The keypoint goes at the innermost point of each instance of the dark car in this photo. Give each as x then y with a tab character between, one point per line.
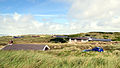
99	49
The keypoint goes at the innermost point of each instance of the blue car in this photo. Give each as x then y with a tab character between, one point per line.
99	49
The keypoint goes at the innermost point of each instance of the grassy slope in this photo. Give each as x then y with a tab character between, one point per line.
70	56
103	35
62	55
46	38
27	39
59	59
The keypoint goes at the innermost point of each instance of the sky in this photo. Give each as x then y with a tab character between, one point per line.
19	17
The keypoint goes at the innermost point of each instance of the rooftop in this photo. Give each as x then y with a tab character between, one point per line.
26	47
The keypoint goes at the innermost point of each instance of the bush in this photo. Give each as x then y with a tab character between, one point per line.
58	40
117	39
87	35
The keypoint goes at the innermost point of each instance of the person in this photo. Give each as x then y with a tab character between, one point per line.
10	42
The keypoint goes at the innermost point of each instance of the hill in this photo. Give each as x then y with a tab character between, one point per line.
115	36
67	57
62	55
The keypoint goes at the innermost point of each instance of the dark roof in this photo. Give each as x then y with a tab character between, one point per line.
25	47
101	39
18	36
81	38
58	36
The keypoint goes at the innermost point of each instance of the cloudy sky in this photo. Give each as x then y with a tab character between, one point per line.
58	16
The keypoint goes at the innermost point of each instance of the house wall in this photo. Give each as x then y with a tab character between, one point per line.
75	40
84	40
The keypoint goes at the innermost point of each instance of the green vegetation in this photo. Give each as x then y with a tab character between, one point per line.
63	54
117	39
59	40
67	57
115	36
26	39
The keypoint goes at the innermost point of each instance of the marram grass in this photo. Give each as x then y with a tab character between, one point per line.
59	59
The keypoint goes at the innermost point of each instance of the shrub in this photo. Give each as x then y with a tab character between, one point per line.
58	40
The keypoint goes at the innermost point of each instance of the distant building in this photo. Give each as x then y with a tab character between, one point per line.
18	36
36	36
27	47
79	39
86	39
104	40
59	36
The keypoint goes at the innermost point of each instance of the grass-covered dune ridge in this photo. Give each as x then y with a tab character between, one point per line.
63	55
61	59
115	36
68	56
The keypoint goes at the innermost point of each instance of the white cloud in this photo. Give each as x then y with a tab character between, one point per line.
95	15
83	16
27	24
16	16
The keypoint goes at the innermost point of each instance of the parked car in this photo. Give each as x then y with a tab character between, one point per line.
99	49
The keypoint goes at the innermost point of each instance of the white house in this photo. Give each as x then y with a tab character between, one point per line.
80	39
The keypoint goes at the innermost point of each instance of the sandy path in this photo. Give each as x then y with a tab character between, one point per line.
2	47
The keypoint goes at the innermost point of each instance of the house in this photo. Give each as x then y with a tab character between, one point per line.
104	40
59	36
35	36
27	47
79	39
86	39
18	36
